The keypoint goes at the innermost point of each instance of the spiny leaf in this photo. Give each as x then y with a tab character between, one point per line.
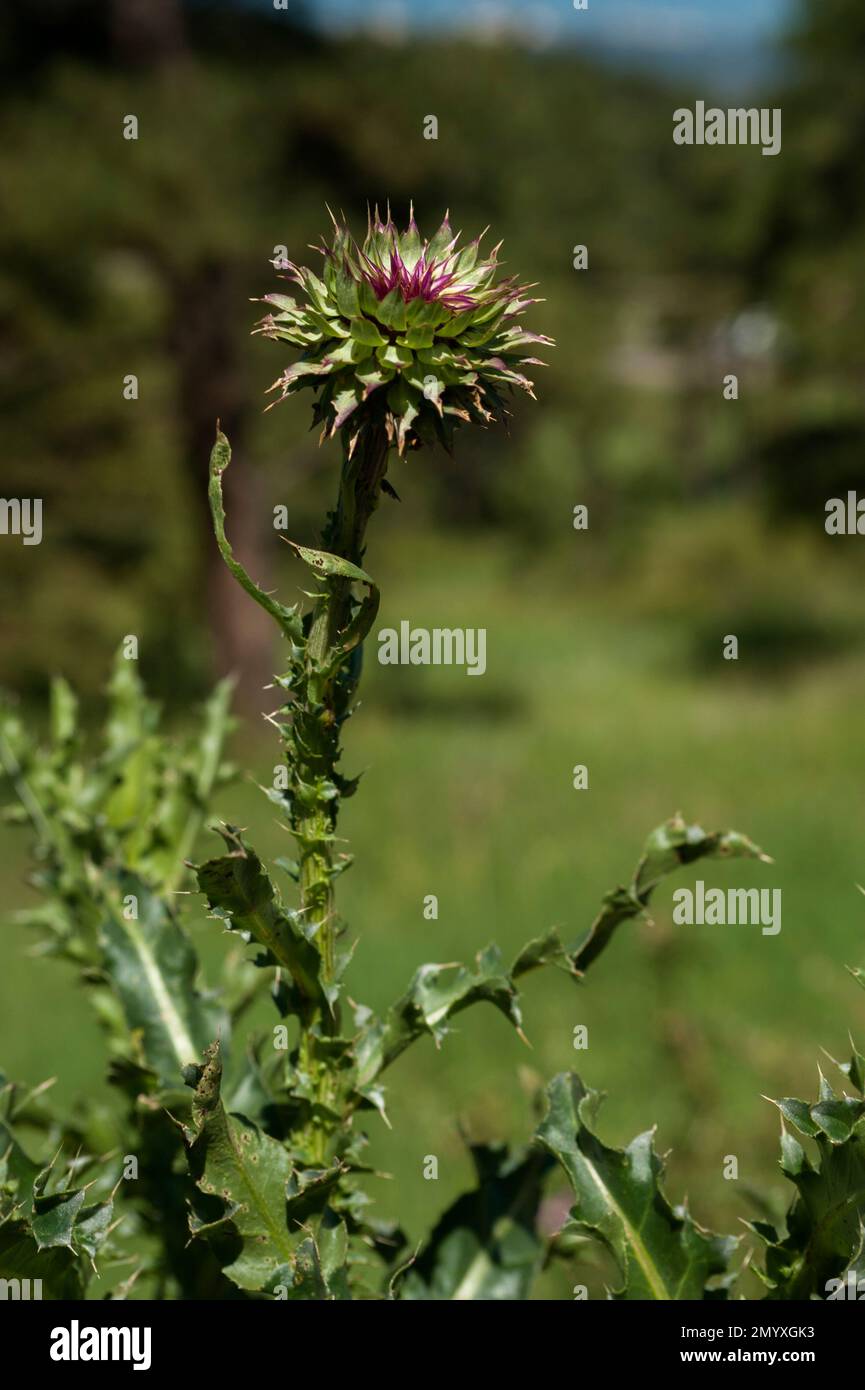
288	618
36	1224
242	1174
61	1274
333	1247
823	1225
132	715
139	803
435	995
240	891
543	950
318	1270
18	1174
329	566
855	1068
851	1284
660	1253
64	711
54	1216
486	1245
185	803
112	830
152	966
670	846
93	1227
822	1235
834	1116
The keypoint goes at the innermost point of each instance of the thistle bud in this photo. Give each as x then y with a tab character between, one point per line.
419	334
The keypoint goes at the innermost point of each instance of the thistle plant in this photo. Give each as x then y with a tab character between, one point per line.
400	340
250	1163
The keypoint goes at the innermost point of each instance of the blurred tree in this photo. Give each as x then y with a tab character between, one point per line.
808	258
147	32
139	256
160	202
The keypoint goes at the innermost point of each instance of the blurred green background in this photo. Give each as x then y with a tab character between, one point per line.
604	647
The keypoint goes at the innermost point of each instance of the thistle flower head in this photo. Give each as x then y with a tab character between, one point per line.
419	334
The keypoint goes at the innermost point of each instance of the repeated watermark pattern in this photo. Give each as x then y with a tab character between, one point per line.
733	126
438	646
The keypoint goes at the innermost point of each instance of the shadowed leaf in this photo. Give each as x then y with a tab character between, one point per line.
485	1246
660	1253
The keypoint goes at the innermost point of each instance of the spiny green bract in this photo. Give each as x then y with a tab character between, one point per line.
415	334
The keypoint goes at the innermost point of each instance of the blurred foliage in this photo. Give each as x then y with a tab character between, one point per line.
137	257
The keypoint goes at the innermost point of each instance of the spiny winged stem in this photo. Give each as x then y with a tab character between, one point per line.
323	691
331	673
319	685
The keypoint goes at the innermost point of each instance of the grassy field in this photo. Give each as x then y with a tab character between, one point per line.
467	793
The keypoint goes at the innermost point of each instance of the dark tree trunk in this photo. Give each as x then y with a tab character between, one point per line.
205	300
147	33
210	389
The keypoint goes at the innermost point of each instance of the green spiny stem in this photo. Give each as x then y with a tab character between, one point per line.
322	703
321	681
326	694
